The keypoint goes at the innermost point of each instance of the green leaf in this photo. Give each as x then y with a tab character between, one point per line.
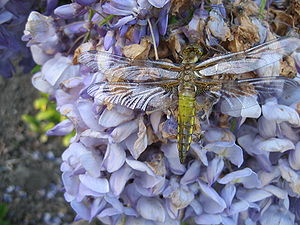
29	119
35	69
43	138
172	20
3	211
46	115
66	139
41	103
47	126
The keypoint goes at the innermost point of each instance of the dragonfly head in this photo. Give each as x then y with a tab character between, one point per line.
191	54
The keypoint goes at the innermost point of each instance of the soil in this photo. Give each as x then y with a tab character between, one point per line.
30	183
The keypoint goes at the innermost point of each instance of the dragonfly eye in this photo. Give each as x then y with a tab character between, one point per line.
192	53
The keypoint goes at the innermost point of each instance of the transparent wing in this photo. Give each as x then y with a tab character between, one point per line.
249	60
117	68
146	97
236	95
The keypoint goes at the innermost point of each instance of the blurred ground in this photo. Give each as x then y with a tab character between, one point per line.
30	183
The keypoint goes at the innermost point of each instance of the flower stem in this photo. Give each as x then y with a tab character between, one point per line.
153	39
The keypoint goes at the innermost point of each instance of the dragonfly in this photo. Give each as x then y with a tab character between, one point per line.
156	85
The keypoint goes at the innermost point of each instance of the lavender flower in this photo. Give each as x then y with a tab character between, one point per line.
122	166
12	19
139	13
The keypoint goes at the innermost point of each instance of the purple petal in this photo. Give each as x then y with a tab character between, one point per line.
39	56
181	197
214	169
81	209
97	206
228	193
267	128
200	152
294	157
171	153
51	5
210	193
75	28
116	116
58	69
286	130
118	9
254	195
276	191
280	113
85	109
219	135
67	11
197	207
123	131
99	185
268	177
238	207
123	21
276	145
276	215
91	163
109	40
141	142
85	191
119	179
192	174
158	3
85	2
109	212
208	219
245	176
41	84
151	209
114	157
71	183
140	166
163	20
155	118
73	152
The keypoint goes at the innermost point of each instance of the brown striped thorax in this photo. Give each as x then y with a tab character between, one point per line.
193	84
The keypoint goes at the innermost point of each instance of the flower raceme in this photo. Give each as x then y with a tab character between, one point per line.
122	166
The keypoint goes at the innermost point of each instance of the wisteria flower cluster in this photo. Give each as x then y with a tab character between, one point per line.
122	166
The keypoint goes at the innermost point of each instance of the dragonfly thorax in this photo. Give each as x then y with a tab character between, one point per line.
186	76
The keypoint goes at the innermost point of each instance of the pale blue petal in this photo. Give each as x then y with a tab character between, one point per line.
81	209
214	169
171	153
192	174
245	176
253	195
99	185
208	219
228	193
119	179
114	157
151	209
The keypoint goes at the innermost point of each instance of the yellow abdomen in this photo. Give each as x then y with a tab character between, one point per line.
186	119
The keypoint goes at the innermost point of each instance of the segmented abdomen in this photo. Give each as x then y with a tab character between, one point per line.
186	119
